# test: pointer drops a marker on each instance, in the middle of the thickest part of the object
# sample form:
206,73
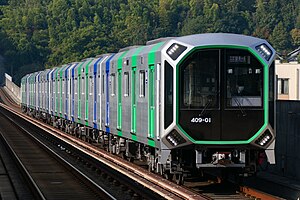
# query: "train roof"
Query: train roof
205,39
261,46
220,39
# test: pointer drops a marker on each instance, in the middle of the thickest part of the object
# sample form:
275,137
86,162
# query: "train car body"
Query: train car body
182,104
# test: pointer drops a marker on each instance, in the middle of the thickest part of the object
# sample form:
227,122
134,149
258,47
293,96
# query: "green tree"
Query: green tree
172,14
295,34
24,23
262,29
39,33
279,37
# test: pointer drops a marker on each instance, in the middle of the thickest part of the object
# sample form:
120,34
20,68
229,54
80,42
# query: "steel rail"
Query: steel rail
257,194
37,193
141,176
63,160
138,174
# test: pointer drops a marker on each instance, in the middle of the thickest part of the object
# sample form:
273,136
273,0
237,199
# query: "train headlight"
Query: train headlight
175,50
265,51
264,139
174,138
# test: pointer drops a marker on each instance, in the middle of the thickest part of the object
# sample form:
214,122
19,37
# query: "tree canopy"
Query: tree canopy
35,34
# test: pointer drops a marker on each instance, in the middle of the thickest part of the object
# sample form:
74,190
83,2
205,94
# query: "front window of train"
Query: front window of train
200,80
243,79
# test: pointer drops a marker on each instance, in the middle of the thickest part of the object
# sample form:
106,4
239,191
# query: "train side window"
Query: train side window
58,87
52,87
82,85
142,84
63,86
113,84
102,83
126,84
70,84
79,86
75,86
91,85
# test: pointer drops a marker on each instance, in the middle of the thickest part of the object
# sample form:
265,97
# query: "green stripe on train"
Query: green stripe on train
151,92
87,92
79,90
119,112
133,89
265,95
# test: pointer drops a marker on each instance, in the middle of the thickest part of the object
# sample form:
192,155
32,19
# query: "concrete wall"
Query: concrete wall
13,90
287,147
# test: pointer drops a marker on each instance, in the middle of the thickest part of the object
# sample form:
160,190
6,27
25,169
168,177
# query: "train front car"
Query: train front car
218,101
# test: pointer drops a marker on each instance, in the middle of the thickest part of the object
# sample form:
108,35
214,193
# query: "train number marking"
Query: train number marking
201,120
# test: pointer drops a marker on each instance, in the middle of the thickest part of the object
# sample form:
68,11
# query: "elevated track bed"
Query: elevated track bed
49,176
108,171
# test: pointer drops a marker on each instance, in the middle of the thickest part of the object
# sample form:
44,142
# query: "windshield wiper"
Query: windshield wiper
207,105
240,107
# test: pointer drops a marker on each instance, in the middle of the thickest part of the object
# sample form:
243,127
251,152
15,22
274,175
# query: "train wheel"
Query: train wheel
179,179
124,155
168,175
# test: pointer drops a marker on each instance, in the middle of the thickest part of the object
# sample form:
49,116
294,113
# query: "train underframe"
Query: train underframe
176,164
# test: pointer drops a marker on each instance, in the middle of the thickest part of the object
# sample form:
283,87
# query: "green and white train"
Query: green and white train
181,104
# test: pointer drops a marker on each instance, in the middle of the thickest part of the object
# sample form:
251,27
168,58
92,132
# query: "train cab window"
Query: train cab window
272,94
272,82
142,84
169,96
243,79
199,77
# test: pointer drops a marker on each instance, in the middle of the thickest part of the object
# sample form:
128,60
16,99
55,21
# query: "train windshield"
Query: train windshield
211,76
200,80
243,79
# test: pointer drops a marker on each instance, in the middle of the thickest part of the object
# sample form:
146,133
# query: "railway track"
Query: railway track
12,184
5,180
227,190
49,176
139,182
114,170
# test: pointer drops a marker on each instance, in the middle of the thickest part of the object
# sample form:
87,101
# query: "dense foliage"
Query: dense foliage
39,33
